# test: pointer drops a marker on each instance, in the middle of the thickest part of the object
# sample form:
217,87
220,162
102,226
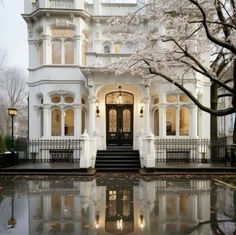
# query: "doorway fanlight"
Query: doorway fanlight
97,108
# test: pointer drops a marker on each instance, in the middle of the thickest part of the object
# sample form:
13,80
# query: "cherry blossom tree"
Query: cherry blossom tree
197,35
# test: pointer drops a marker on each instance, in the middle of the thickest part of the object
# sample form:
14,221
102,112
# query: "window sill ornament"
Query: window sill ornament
97,108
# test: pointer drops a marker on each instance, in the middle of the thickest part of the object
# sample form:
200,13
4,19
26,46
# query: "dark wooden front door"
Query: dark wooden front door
119,124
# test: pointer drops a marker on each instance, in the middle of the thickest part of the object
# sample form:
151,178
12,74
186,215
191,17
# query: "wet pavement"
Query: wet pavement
118,203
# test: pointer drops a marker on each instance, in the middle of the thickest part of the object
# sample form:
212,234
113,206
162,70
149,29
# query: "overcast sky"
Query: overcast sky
13,33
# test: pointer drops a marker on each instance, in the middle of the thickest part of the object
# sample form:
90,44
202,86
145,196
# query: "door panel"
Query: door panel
119,125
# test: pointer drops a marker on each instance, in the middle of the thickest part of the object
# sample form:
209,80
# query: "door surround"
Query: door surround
119,118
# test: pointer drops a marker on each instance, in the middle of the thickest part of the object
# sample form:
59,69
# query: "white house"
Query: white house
69,95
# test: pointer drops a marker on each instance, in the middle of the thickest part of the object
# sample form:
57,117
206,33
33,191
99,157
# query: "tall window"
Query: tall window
184,121
62,46
62,119
56,52
56,122
177,115
69,52
171,121
69,122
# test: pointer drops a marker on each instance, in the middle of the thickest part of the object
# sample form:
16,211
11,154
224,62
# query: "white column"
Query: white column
193,116
63,51
62,122
46,121
77,120
146,102
92,109
162,120
85,156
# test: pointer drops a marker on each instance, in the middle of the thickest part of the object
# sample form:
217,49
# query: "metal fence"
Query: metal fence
190,150
49,150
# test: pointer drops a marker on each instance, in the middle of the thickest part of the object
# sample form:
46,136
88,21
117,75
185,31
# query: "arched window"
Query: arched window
69,52
69,122
170,121
107,49
62,46
117,47
184,121
56,122
56,52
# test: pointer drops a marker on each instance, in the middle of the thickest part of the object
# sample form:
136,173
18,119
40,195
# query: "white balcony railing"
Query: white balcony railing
120,1
102,59
61,3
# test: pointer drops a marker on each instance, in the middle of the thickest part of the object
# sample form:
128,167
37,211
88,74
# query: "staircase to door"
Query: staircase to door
117,160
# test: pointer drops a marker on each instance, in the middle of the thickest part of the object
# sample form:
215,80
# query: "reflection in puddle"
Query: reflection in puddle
109,204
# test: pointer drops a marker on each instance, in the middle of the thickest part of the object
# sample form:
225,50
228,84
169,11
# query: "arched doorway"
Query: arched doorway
119,118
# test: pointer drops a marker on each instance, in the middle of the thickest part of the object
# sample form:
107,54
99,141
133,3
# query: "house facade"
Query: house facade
71,98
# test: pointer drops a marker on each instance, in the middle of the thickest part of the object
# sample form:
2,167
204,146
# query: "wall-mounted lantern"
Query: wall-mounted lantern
141,109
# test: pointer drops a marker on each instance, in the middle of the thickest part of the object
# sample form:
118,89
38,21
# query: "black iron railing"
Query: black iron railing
189,150
54,151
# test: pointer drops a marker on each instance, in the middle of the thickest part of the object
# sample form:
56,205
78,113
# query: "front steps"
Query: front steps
117,160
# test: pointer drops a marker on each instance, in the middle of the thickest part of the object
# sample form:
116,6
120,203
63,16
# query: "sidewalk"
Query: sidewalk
161,168
187,168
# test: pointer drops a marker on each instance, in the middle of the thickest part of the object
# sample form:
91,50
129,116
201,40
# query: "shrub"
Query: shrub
8,143
2,145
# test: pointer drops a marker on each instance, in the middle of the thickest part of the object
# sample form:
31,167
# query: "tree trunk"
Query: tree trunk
214,134
234,133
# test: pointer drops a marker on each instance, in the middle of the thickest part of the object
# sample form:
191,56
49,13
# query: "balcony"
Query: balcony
119,1
61,4
102,59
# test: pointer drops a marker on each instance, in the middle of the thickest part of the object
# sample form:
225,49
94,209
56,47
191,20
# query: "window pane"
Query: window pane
183,98
56,99
69,122
56,52
119,98
69,52
171,98
107,49
62,33
126,120
69,99
56,122
171,121
117,48
184,121
112,120
156,122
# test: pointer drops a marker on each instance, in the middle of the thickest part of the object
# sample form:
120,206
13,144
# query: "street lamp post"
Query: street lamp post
12,112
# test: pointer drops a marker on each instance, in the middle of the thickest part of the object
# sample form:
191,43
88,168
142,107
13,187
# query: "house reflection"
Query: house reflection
140,207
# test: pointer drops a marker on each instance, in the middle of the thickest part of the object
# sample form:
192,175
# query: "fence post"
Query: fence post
85,157
149,153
